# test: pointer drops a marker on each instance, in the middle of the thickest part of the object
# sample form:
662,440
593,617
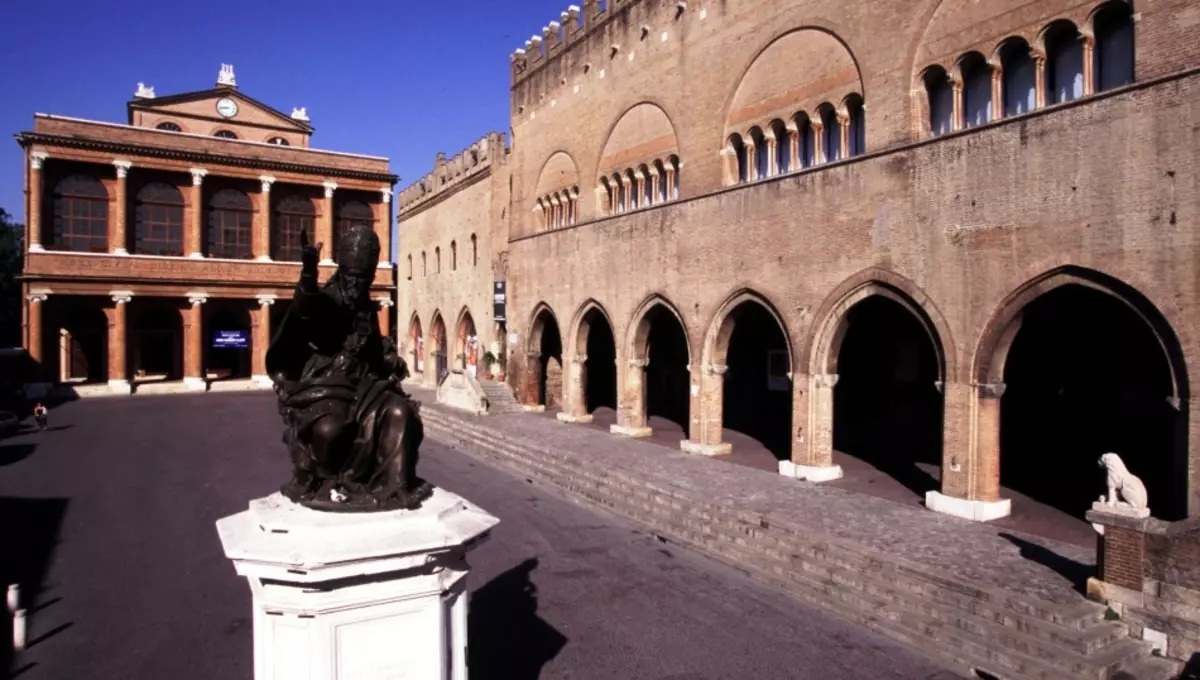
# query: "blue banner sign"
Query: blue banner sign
231,339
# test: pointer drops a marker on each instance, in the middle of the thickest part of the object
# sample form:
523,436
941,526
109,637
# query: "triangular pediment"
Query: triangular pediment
203,105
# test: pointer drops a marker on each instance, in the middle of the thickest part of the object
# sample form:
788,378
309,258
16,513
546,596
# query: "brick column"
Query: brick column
260,329
193,344
385,316
956,119
772,161
672,179
981,468
118,374
1039,78
1089,66
631,408
117,238
641,190
997,92
575,402
793,149
751,160
33,230
325,224
1120,555
192,239
34,329
383,228
818,133
843,121
627,190
704,436
260,237
655,186
530,379
820,419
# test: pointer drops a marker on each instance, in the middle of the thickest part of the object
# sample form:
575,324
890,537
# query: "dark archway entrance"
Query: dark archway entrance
888,403
1086,375
83,342
667,377
757,398
227,341
156,341
600,371
549,362
439,349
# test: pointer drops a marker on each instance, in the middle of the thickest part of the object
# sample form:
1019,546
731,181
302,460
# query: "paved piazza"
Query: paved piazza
114,507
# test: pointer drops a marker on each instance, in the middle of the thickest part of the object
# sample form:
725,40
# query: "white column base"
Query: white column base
195,384
632,432
120,251
357,595
696,448
327,263
263,381
810,473
976,511
120,387
36,248
568,418
384,265
196,256
263,258
539,408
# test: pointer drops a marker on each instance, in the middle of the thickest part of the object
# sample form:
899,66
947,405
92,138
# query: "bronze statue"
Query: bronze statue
352,433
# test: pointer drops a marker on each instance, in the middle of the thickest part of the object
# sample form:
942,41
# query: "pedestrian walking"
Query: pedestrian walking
42,415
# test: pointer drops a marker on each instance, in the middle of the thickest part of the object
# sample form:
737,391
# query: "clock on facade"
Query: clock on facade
227,107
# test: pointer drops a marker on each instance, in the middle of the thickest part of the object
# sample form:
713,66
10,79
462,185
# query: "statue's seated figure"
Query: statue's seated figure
351,431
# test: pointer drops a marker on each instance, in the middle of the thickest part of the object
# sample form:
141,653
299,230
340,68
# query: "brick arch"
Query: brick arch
822,346
537,327
716,340
580,329
639,327
460,330
438,329
560,171
642,132
992,348
770,87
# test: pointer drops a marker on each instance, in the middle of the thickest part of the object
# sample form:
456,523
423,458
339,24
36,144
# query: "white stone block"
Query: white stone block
632,432
1157,640
357,595
120,387
195,384
817,474
976,511
696,448
1121,510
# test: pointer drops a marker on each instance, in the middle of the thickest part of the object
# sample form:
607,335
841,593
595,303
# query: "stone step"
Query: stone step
500,398
1050,651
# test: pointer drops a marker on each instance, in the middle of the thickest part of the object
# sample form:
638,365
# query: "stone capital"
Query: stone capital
37,297
197,299
384,303
716,369
198,175
825,380
991,390
266,300
330,187
122,167
121,296
386,194
579,359
639,363
267,181
37,158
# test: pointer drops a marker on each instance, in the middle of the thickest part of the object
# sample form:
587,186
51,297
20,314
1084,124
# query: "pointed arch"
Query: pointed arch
579,329
716,340
639,329
537,326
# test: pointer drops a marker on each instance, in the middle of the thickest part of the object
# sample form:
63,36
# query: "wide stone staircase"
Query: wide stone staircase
959,591
500,398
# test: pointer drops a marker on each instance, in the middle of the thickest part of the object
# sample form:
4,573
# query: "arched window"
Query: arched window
424,265
80,215
349,214
831,134
573,197
278,141
1064,63
1020,78
738,149
437,260
647,188
410,270
806,142
631,189
168,127
1113,27
454,256
857,111
474,250
230,224
783,147
225,134
761,162
622,199
676,167
977,90
293,215
941,101
661,196
158,221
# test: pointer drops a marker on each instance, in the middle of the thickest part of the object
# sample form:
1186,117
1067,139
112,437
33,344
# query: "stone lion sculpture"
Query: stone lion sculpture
1124,488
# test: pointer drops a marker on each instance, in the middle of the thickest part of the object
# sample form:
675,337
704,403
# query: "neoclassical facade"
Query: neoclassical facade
164,249
954,242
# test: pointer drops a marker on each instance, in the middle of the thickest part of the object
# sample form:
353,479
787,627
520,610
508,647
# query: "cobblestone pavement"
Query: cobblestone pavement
107,521
976,553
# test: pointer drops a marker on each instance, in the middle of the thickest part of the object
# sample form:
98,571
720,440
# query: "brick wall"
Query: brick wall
1174,558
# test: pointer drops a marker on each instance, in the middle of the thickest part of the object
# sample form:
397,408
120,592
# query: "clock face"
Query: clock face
227,107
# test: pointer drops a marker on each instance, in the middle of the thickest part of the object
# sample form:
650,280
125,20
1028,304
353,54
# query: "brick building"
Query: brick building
956,241
163,249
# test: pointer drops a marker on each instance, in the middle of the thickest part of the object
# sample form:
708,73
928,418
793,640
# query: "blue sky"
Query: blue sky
394,78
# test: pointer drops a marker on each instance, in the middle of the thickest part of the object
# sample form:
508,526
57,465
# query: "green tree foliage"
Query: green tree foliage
11,262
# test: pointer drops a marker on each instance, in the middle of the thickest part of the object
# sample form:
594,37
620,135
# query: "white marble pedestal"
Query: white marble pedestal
364,596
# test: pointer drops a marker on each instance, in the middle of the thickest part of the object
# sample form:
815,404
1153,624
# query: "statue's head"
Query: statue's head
357,259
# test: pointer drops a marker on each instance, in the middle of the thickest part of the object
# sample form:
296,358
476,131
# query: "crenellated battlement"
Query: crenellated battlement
453,172
591,36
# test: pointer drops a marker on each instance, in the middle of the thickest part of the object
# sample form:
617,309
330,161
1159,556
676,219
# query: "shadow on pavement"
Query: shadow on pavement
29,529
507,640
15,453
1075,572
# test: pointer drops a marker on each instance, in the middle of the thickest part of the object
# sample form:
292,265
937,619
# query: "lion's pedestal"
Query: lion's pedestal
357,595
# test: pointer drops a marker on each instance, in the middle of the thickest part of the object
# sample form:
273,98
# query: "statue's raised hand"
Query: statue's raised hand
310,254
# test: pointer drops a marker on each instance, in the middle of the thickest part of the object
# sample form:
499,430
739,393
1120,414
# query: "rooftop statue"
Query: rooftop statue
352,433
